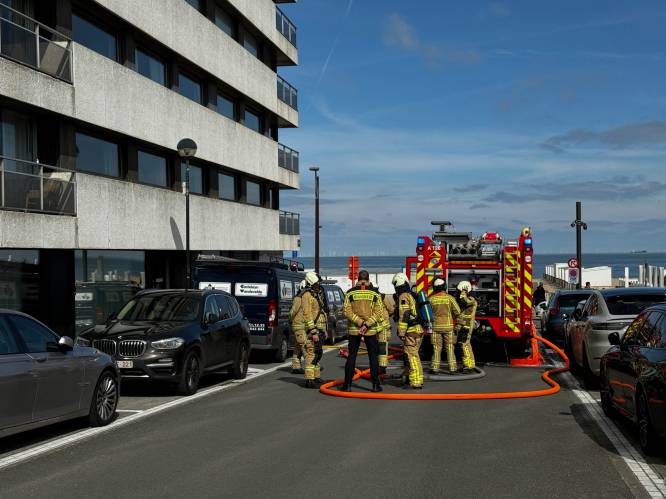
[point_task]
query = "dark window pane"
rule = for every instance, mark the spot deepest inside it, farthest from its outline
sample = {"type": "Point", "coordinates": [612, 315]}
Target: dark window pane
{"type": "Point", "coordinates": [632, 304]}
{"type": "Point", "coordinates": [152, 169]}
{"type": "Point", "coordinates": [251, 45]}
{"type": "Point", "coordinates": [196, 177]}
{"type": "Point", "coordinates": [35, 336]}
{"type": "Point", "coordinates": [195, 3]}
{"type": "Point", "coordinates": [663, 331]}
{"type": "Point", "coordinates": [227, 186]}
{"type": "Point", "coordinates": [226, 107]}
{"type": "Point", "coordinates": [253, 193]}
{"type": "Point", "coordinates": [189, 88]}
{"type": "Point", "coordinates": [8, 344]}
{"type": "Point", "coordinates": [94, 37]}
{"type": "Point", "coordinates": [96, 155]}
{"type": "Point", "coordinates": [224, 21]}
{"type": "Point", "coordinates": [150, 67]}
{"type": "Point", "coordinates": [169, 307]}
{"type": "Point", "coordinates": [252, 121]}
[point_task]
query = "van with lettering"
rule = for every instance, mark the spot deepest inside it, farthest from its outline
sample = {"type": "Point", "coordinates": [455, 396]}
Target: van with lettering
{"type": "Point", "coordinates": [265, 291]}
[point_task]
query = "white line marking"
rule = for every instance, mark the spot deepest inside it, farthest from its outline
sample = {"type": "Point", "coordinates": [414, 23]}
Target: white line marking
{"type": "Point", "coordinates": [128, 410]}
{"type": "Point", "coordinates": [68, 440]}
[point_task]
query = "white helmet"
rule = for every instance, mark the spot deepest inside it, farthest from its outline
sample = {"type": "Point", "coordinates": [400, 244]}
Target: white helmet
{"type": "Point", "coordinates": [399, 279]}
{"type": "Point", "coordinates": [311, 278]}
{"type": "Point", "coordinates": [464, 286]}
{"type": "Point", "coordinates": [302, 285]}
{"type": "Point", "coordinates": [438, 282]}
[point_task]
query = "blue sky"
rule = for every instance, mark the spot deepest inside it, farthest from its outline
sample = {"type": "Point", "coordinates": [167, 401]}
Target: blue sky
{"type": "Point", "coordinates": [494, 115]}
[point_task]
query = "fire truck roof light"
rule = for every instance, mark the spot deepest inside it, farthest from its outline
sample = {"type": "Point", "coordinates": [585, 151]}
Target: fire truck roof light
{"type": "Point", "coordinates": [528, 242]}
{"type": "Point", "coordinates": [420, 241]}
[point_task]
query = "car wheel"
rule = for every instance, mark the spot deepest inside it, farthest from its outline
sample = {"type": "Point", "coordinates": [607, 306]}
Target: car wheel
{"type": "Point", "coordinates": [239, 370]}
{"type": "Point", "coordinates": [646, 434]}
{"type": "Point", "coordinates": [282, 352]}
{"type": "Point", "coordinates": [191, 374]}
{"type": "Point", "coordinates": [590, 381]}
{"type": "Point", "coordinates": [104, 400]}
{"type": "Point", "coordinates": [606, 397]}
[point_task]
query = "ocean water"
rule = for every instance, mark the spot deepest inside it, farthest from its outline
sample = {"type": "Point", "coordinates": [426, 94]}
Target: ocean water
{"type": "Point", "coordinates": [387, 264]}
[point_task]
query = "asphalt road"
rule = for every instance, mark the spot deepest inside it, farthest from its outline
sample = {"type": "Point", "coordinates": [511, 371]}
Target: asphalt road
{"type": "Point", "coordinates": [273, 438]}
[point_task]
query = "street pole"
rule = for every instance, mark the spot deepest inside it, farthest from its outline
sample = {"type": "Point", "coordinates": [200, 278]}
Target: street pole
{"type": "Point", "coordinates": [580, 226]}
{"type": "Point", "coordinates": [315, 169]}
{"type": "Point", "coordinates": [188, 263]}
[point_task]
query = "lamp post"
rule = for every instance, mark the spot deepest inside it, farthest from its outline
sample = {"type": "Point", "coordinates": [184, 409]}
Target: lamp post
{"type": "Point", "coordinates": [187, 149]}
{"type": "Point", "coordinates": [579, 225]}
{"type": "Point", "coordinates": [315, 169]}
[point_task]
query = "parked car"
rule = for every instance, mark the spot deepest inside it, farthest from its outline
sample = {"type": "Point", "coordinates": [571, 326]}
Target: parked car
{"type": "Point", "coordinates": [265, 290]}
{"type": "Point", "coordinates": [337, 320]}
{"type": "Point", "coordinates": [176, 336]}
{"type": "Point", "coordinates": [633, 376]}
{"type": "Point", "coordinates": [95, 302]}
{"type": "Point", "coordinates": [560, 306]}
{"type": "Point", "coordinates": [45, 378]}
{"type": "Point", "coordinates": [606, 311]}
{"type": "Point", "coordinates": [569, 321]}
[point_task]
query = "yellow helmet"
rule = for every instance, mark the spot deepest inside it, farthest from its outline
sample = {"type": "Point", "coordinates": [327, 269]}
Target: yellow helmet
{"type": "Point", "coordinates": [465, 286]}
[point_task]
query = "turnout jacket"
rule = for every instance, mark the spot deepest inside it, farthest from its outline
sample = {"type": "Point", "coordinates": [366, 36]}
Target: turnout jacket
{"type": "Point", "coordinates": [407, 315]}
{"type": "Point", "coordinates": [314, 313]}
{"type": "Point", "coordinates": [444, 310]}
{"type": "Point", "coordinates": [388, 308]}
{"type": "Point", "coordinates": [363, 304]}
{"type": "Point", "coordinates": [296, 313]}
{"type": "Point", "coordinates": [468, 305]}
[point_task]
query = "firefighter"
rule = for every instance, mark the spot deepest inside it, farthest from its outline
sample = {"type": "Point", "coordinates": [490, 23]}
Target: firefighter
{"type": "Point", "coordinates": [445, 310]}
{"type": "Point", "coordinates": [297, 329]}
{"type": "Point", "coordinates": [384, 335]}
{"type": "Point", "coordinates": [315, 320]}
{"type": "Point", "coordinates": [365, 312]}
{"type": "Point", "coordinates": [466, 322]}
{"type": "Point", "coordinates": [409, 330]}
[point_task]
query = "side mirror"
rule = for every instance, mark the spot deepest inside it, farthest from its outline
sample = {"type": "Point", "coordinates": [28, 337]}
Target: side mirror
{"type": "Point", "coordinates": [565, 316]}
{"type": "Point", "coordinates": [614, 338]}
{"type": "Point", "coordinates": [211, 318]}
{"type": "Point", "coordinates": [66, 344]}
{"type": "Point", "coordinates": [543, 305]}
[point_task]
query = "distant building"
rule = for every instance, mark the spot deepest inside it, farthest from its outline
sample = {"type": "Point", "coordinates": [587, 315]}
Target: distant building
{"type": "Point", "coordinates": [94, 97]}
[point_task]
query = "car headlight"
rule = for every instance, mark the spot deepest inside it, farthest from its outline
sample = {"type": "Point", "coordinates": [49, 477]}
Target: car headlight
{"type": "Point", "coordinates": [82, 342]}
{"type": "Point", "coordinates": [168, 343]}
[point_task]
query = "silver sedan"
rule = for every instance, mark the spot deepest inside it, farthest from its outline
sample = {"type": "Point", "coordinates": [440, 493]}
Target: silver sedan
{"type": "Point", "coordinates": [45, 378]}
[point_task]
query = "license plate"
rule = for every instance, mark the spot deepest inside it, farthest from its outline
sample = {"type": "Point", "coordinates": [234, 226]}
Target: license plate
{"type": "Point", "coordinates": [125, 364]}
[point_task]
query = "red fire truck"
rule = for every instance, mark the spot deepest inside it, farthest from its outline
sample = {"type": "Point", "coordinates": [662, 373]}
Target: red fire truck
{"type": "Point", "coordinates": [500, 272]}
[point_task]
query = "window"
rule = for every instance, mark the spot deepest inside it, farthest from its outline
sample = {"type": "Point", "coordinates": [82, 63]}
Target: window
{"type": "Point", "coordinates": [196, 178]}
{"type": "Point", "coordinates": [152, 169]}
{"type": "Point", "coordinates": [226, 186]}
{"type": "Point", "coordinates": [252, 120]}
{"type": "Point", "coordinates": [251, 44]}
{"type": "Point", "coordinates": [662, 327]}
{"type": "Point", "coordinates": [189, 88]}
{"type": "Point", "coordinates": [224, 21]}
{"type": "Point", "coordinates": [8, 344]}
{"type": "Point", "coordinates": [96, 155]}
{"type": "Point", "coordinates": [225, 307]}
{"type": "Point", "coordinates": [94, 37]}
{"type": "Point", "coordinates": [150, 67]}
{"type": "Point", "coordinates": [226, 107]}
{"type": "Point", "coordinates": [211, 307]}
{"type": "Point", "coordinates": [36, 337]}
{"type": "Point", "coordinates": [195, 3]}
{"type": "Point", "coordinates": [252, 193]}
{"type": "Point", "coordinates": [162, 308]}
{"type": "Point", "coordinates": [650, 335]}
{"type": "Point", "coordinates": [631, 304]}
{"type": "Point", "coordinates": [633, 331]}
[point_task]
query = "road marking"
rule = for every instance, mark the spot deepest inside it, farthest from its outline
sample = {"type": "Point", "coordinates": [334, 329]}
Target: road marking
{"type": "Point", "coordinates": [68, 440]}
{"type": "Point", "coordinates": [128, 410]}
{"type": "Point", "coordinates": [654, 485]}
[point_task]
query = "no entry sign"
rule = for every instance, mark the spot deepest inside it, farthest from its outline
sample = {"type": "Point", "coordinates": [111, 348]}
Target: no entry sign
{"type": "Point", "coordinates": [573, 263]}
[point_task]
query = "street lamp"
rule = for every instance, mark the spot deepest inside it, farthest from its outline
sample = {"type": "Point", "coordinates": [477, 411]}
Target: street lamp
{"type": "Point", "coordinates": [579, 224]}
{"type": "Point", "coordinates": [315, 169]}
{"type": "Point", "coordinates": [187, 149]}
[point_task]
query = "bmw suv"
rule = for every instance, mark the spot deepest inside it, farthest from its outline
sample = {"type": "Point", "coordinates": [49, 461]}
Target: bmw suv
{"type": "Point", "coordinates": [175, 336]}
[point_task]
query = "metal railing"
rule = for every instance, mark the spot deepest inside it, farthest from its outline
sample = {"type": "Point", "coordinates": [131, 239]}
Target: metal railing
{"type": "Point", "coordinates": [287, 93]}
{"type": "Point", "coordinates": [290, 223]}
{"type": "Point", "coordinates": [30, 186]}
{"type": "Point", "coordinates": [285, 26]}
{"type": "Point", "coordinates": [24, 40]}
{"type": "Point", "coordinates": [287, 158]}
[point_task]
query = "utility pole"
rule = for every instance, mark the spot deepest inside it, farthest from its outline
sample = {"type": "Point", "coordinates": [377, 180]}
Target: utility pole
{"type": "Point", "coordinates": [187, 148]}
{"type": "Point", "coordinates": [315, 169]}
{"type": "Point", "coordinates": [580, 226]}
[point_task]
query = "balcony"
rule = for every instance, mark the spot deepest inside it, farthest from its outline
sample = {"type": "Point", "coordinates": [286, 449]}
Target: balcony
{"type": "Point", "coordinates": [34, 187]}
{"type": "Point", "coordinates": [287, 93]}
{"type": "Point", "coordinates": [290, 223]}
{"type": "Point", "coordinates": [285, 26]}
{"type": "Point", "coordinates": [287, 158]}
{"type": "Point", "coordinates": [26, 41]}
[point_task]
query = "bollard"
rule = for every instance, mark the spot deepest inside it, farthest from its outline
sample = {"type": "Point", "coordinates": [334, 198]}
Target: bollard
{"type": "Point", "coordinates": [626, 277]}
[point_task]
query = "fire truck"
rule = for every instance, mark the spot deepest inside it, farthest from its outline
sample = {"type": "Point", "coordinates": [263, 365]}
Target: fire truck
{"type": "Point", "coordinates": [500, 272]}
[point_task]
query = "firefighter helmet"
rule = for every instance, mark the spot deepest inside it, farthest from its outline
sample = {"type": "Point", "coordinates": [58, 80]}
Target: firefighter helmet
{"type": "Point", "coordinates": [311, 278]}
{"type": "Point", "coordinates": [439, 283]}
{"type": "Point", "coordinates": [464, 286]}
{"type": "Point", "coordinates": [399, 279]}
{"type": "Point", "coordinates": [303, 284]}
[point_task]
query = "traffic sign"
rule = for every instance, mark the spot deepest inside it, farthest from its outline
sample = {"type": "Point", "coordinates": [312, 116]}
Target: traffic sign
{"type": "Point", "coordinates": [573, 276]}
{"type": "Point", "coordinates": [573, 263]}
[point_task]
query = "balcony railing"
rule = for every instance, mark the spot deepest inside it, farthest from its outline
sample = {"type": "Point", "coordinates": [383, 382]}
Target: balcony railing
{"type": "Point", "coordinates": [287, 93]}
{"type": "Point", "coordinates": [29, 186]}
{"type": "Point", "coordinates": [290, 223]}
{"type": "Point", "coordinates": [285, 26]}
{"type": "Point", "coordinates": [287, 158]}
{"type": "Point", "coordinates": [24, 40]}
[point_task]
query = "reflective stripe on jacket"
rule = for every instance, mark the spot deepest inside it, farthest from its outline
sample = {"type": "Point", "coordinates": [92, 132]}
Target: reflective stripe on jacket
{"type": "Point", "coordinates": [407, 314]}
{"type": "Point", "coordinates": [468, 306]}
{"type": "Point", "coordinates": [363, 304]}
{"type": "Point", "coordinates": [314, 317]}
{"type": "Point", "coordinates": [444, 310]}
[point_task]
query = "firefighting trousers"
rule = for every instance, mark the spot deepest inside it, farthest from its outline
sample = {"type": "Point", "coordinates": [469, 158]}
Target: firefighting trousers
{"type": "Point", "coordinates": [299, 343]}
{"type": "Point", "coordinates": [383, 337]}
{"type": "Point", "coordinates": [412, 343]}
{"type": "Point", "coordinates": [312, 352]}
{"type": "Point", "coordinates": [465, 332]}
{"type": "Point", "coordinates": [440, 340]}
{"type": "Point", "coordinates": [371, 344]}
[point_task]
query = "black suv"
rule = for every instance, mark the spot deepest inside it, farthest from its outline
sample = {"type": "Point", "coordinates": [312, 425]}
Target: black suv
{"type": "Point", "coordinates": [175, 336]}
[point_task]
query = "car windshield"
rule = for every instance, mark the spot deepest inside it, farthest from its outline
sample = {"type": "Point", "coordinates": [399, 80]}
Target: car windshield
{"type": "Point", "coordinates": [161, 308]}
{"type": "Point", "coordinates": [570, 301]}
{"type": "Point", "coordinates": [632, 304]}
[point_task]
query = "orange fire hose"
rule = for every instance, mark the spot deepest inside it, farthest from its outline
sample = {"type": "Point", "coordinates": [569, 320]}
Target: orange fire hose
{"type": "Point", "coordinates": [327, 388]}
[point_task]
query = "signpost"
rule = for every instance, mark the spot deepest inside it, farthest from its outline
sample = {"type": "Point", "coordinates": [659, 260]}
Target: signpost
{"type": "Point", "coordinates": [573, 276]}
